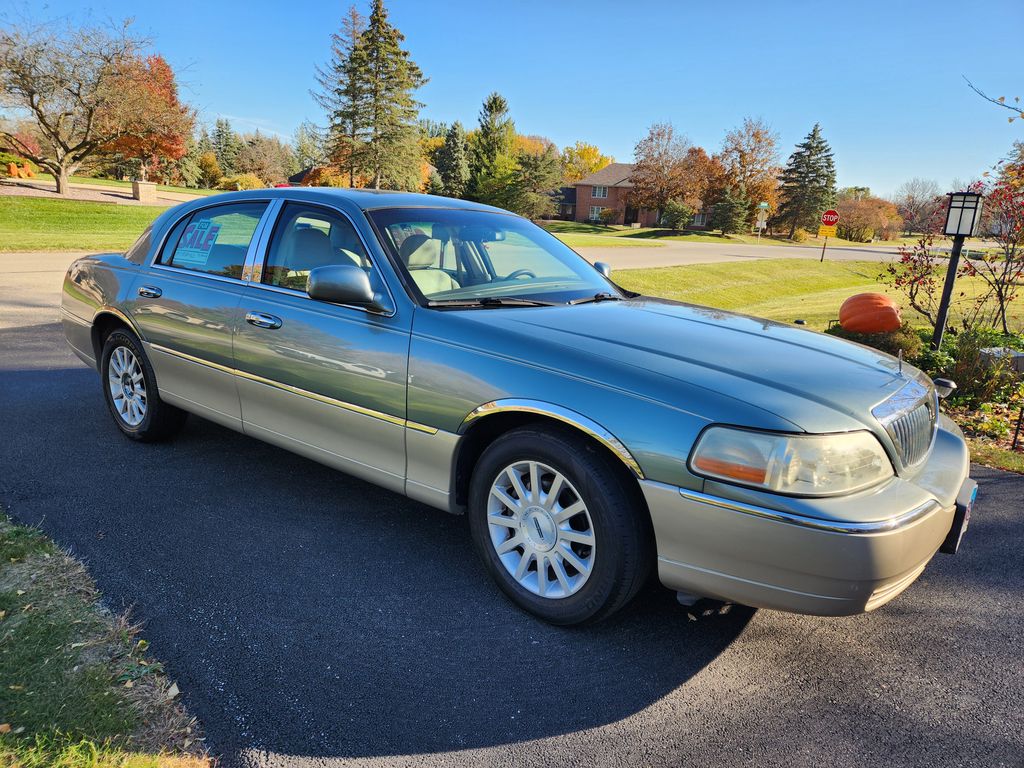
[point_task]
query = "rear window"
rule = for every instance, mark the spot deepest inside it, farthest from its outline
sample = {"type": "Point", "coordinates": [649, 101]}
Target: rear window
{"type": "Point", "coordinates": [214, 240]}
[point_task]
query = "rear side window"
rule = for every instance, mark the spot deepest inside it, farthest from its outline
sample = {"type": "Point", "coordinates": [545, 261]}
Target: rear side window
{"type": "Point", "coordinates": [214, 240]}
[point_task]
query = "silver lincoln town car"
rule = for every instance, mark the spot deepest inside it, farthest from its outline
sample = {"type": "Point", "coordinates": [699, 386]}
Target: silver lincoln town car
{"type": "Point", "coordinates": [463, 356]}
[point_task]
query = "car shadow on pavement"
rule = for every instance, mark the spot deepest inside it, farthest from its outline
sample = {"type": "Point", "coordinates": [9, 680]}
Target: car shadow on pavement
{"type": "Point", "coordinates": [304, 612]}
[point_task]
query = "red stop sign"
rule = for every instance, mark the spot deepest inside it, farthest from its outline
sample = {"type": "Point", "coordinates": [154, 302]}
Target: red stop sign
{"type": "Point", "coordinates": [830, 218]}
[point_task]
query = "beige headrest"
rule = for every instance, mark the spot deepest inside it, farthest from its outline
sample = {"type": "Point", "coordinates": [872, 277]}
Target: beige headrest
{"type": "Point", "coordinates": [420, 251]}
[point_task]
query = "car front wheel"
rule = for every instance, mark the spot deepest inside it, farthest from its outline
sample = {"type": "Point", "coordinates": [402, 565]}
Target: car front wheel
{"type": "Point", "coordinates": [559, 525]}
{"type": "Point", "coordinates": [129, 386]}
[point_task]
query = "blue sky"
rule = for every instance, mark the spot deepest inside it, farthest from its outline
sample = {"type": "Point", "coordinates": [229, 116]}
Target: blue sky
{"type": "Point", "coordinates": [883, 78]}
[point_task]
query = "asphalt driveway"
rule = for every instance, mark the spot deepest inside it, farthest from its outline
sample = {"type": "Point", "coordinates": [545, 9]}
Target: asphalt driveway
{"type": "Point", "coordinates": [310, 618]}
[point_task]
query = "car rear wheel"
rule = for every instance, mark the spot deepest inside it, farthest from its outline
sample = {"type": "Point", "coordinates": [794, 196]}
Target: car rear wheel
{"type": "Point", "coordinates": [129, 386]}
{"type": "Point", "coordinates": [558, 525]}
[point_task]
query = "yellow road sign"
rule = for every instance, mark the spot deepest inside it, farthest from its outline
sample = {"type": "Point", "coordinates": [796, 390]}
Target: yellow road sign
{"type": "Point", "coordinates": [824, 231]}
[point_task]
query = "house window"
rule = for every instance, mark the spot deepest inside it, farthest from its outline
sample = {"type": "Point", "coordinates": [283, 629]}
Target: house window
{"type": "Point", "coordinates": [699, 219]}
{"type": "Point", "coordinates": [599, 192]}
{"type": "Point", "coordinates": [595, 211]}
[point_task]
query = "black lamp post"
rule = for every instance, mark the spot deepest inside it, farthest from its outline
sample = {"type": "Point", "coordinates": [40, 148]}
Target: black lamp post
{"type": "Point", "coordinates": [962, 220]}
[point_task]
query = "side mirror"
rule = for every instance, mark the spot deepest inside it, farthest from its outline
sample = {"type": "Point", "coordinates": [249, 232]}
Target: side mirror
{"type": "Point", "coordinates": [603, 268]}
{"type": "Point", "coordinates": [344, 284]}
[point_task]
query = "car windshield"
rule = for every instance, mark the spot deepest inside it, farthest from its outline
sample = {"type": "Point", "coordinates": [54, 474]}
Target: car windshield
{"type": "Point", "coordinates": [478, 258]}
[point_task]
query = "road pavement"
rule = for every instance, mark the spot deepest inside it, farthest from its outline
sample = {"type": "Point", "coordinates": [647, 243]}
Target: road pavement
{"type": "Point", "coordinates": [311, 619]}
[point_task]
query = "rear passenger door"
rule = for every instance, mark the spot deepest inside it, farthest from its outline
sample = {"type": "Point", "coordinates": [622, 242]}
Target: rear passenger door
{"type": "Point", "coordinates": [324, 380]}
{"type": "Point", "coordinates": [186, 306]}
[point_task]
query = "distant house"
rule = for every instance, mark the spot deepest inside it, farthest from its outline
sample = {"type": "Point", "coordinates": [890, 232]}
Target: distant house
{"type": "Point", "coordinates": [565, 199]}
{"type": "Point", "coordinates": [610, 188]}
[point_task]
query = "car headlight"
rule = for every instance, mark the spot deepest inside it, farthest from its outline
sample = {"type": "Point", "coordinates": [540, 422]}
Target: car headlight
{"type": "Point", "coordinates": [800, 465]}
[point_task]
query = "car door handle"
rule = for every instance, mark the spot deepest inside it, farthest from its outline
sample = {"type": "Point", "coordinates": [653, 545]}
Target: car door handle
{"type": "Point", "coordinates": [150, 292]}
{"type": "Point", "coordinates": [262, 320]}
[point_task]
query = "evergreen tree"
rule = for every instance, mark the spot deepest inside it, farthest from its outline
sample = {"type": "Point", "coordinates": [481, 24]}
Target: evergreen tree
{"type": "Point", "coordinates": [226, 146]}
{"type": "Point", "coordinates": [730, 213]}
{"type": "Point", "coordinates": [492, 159]}
{"type": "Point", "coordinates": [308, 146]}
{"type": "Point", "coordinates": [808, 183]}
{"type": "Point", "coordinates": [391, 153]}
{"type": "Point", "coordinates": [186, 168]}
{"type": "Point", "coordinates": [434, 184]}
{"type": "Point", "coordinates": [343, 94]}
{"type": "Point", "coordinates": [538, 175]}
{"type": "Point", "coordinates": [453, 162]}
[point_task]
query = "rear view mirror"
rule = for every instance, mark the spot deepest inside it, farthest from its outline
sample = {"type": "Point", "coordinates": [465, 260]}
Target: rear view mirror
{"type": "Point", "coordinates": [482, 234]}
{"type": "Point", "coordinates": [344, 284]}
{"type": "Point", "coordinates": [603, 268]}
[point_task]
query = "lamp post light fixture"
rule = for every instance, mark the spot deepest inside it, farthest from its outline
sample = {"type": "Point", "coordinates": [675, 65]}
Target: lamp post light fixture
{"type": "Point", "coordinates": [962, 219]}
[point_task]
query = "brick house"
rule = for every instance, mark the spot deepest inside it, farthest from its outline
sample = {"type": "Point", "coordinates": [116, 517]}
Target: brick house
{"type": "Point", "coordinates": [610, 188]}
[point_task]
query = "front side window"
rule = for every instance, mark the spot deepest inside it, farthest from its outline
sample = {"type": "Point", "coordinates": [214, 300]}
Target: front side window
{"type": "Point", "coordinates": [307, 237]}
{"type": "Point", "coordinates": [214, 240]}
{"type": "Point", "coordinates": [462, 256]}
{"type": "Point", "coordinates": [600, 192]}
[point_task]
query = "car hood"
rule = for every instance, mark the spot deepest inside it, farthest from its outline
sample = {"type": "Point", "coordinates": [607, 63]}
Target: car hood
{"type": "Point", "coordinates": [667, 350]}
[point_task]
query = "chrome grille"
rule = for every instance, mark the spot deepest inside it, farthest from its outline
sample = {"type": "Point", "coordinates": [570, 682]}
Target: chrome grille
{"type": "Point", "coordinates": [909, 417]}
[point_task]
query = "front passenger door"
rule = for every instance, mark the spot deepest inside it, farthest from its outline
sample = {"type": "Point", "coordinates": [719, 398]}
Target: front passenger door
{"type": "Point", "coordinates": [324, 380]}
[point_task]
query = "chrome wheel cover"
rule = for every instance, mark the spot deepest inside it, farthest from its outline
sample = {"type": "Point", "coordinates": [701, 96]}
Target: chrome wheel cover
{"type": "Point", "coordinates": [540, 529]}
{"type": "Point", "coordinates": [127, 386]}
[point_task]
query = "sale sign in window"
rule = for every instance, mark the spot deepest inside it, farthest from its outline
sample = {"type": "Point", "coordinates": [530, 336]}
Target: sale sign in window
{"type": "Point", "coordinates": [196, 243]}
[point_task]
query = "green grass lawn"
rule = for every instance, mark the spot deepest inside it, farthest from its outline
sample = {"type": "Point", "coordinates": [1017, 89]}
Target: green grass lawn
{"type": "Point", "coordinates": [566, 229]}
{"type": "Point", "coordinates": [778, 289]}
{"type": "Point", "coordinates": [78, 688]}
{"type": "Point", "coordinates": [40, 224]}
{"type": "Point", "coordinates": [128, 184]}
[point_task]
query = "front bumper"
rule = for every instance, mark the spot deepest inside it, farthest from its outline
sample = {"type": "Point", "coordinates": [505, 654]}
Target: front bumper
{"type": "Point", "coordinates": [812, 557]}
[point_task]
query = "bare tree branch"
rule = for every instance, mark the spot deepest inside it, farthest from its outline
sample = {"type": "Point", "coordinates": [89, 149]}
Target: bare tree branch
{"type": "Point", "coordinates": [999, 102]}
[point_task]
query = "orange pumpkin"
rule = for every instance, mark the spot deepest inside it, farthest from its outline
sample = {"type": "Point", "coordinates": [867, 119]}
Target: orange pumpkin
{"type": "Point", "coordinates": [870, 313]}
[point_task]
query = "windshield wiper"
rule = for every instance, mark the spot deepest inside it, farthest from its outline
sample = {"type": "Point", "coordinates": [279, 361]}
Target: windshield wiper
{"type": "Point", "coordinates": [492, 301]}
{"type": "Point", "coordinates": [602, 296]}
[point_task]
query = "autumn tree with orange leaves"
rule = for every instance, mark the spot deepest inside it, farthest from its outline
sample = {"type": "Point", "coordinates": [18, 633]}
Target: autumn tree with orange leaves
{"type": "Point", "coordinates": [168, 122]}
{"type": "Point", "coordinates": [84, 89]}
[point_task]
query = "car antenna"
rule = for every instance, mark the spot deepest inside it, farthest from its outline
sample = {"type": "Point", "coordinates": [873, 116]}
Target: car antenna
{"type": "Point", "coordinates": [901, 362]}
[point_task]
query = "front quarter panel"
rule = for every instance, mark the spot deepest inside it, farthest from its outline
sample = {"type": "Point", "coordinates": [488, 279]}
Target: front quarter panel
{"type": "Point", "coordinates": [457, 366]}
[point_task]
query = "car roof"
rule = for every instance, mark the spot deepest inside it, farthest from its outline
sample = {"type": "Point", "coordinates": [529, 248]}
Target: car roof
{"type": "Point", "coordinates": [361, 199]}
{"type": "Point", "coordinates": [366, 199]}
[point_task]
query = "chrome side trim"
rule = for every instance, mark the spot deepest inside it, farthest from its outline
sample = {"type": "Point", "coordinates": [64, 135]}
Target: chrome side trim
{"type": "Point", "coordinates": [74, 318]}
{"type": "Point", "coordinates": [566, 416]}
{"type": "Point", "coordinates": [398, 421]}
{"type": "Point", "coordinates": [120, 315]}
{"type": "Point", "coordinates": [831, 526]}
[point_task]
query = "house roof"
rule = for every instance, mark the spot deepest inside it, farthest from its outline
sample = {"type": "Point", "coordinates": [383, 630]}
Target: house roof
{"type": "Point", "coordinates": [614, 175]}
{"type": "Point", "coordinates": [566, 195]}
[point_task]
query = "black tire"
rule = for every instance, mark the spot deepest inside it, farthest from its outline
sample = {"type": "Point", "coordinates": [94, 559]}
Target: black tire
{"type": "Point", "coordinates": [161, 420]}
{"type": "Point", "coordinates": [624, 547]}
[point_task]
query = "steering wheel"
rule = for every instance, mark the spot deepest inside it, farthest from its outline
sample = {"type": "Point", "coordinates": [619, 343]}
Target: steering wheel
{"type": "Point", "coordinates": [520, 273]}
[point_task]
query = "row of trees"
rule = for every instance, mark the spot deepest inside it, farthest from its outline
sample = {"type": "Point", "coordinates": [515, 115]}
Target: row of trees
{"type": "Point", "coordinates": [673, 176]}
{"type": "Point", "coordinates": [90, 99]}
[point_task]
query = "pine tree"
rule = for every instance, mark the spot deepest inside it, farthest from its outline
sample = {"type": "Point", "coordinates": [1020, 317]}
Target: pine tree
{"type": "Point", "coordinates": [453, 162]}
{"type": "Point", "coordinates": [730, 213]}
{"type": "Point", "coordinates": [226, 146]}
{"type": "Point", "coordinates": [391, 152]}
{"type": "Point", "coordinates": [308, 146]}
{"type": "Point", "coordinates": [539, 174]}
{"type": "Point", "coordinates": [492, 159]}
{"type": "Point", "coordinates": [343, 94]}
{"type": "Point", "coordinates": [808, 183]}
